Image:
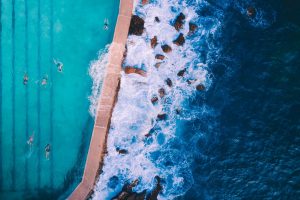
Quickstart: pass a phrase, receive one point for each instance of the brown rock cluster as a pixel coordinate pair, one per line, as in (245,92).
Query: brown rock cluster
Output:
(136,25)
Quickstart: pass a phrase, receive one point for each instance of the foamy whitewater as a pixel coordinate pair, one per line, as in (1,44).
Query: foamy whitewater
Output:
(134,115)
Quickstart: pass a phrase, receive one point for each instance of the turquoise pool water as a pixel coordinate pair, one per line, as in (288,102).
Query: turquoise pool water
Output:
(33,33)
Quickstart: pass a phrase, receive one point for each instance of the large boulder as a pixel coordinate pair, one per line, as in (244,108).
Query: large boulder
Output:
(179,21)
(157,19)
(136,25)
(179,40)
(166,48)
(153,42)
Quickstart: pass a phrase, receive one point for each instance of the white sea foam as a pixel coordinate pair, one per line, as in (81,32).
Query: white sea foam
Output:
(135,116)
(96,71)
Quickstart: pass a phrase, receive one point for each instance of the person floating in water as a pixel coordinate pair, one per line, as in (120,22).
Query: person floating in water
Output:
(44,80)
(30,140)
(59,65)
(106,25)
(47,151)
(25,79)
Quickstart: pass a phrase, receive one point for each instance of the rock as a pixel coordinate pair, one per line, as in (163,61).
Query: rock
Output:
(169,82)
(192,28)
(154,193)
(166,48)
(161,92)
(179,21)
(130,70)
(126,192)
(154,42)
(190,81)
(148,135)
(154,99)
(157,65)
(159,57)
(251,12)
(121,151)
(200,87)
(136,25)
(181,72)
(178,110)
(179,40)
(157,19)
(144,2)
(162,116)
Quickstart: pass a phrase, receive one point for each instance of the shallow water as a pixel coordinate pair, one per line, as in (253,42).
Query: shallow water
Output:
(238,139)
(33,33)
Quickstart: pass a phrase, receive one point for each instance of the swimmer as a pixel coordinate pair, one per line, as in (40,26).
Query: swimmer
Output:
(106,24)
(47,151)
(59,65)
(25,79)
(44,80)
(30,140)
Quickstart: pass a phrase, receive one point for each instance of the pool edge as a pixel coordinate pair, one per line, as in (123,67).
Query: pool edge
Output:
(109,92)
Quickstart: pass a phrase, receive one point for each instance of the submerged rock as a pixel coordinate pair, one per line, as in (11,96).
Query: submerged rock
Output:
(181,72)
(128,194)
(154,99)
(130,70)
(179,21)
(166,48)
(162,116)
(251,12)
(159,56)
(157,65)
(157,19)
(136,25)
(169,82)
(161,92)
(192,28)
(121,151)
(179,40)
(153,42)
(200,87)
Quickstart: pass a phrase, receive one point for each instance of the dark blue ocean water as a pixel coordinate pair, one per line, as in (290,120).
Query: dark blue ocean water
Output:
(248,145)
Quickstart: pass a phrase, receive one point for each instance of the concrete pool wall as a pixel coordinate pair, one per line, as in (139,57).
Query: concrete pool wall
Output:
(97,148)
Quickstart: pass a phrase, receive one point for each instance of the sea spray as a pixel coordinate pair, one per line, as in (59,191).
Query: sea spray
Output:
(147,130)
(96,71)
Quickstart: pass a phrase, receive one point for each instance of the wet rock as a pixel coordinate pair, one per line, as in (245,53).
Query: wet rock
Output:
(161,92)
(148,135)
(200,87)
(144,2)
(121,151)
(251,12)
(178,110)
(153,42)
(162,116)
(136,25)
(157,65)
(192,28)
(166,48)
(159,56)
(179,40)
(179,21)
(158,188)
(181,72)
(130,70)
(169,82)
(127,193)
(157,19)
(154,99)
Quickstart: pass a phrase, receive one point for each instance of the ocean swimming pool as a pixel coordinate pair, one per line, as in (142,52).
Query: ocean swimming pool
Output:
(33,33)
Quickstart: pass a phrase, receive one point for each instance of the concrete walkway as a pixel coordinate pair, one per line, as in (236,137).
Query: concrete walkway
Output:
(107,101)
